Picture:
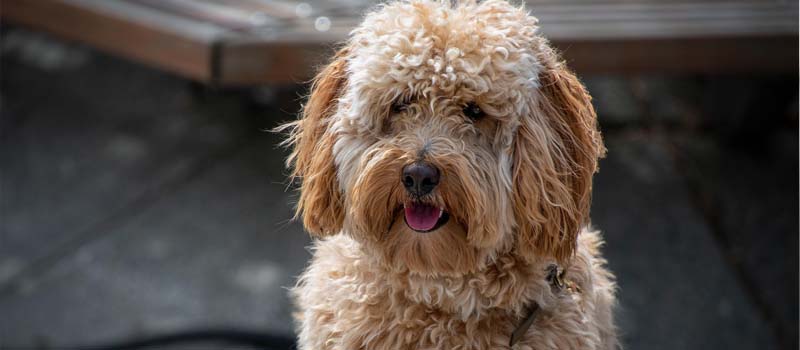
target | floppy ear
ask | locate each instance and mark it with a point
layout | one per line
(320, 203)
(555, 155)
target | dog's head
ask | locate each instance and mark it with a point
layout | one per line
(443, 135)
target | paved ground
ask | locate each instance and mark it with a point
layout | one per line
(132, 203)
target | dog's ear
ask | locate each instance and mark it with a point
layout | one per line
(320, 202)
(555, 155)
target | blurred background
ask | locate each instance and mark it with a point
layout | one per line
(141, 195)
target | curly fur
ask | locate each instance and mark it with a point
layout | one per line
(516, 183)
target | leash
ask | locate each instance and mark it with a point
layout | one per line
(557, 284)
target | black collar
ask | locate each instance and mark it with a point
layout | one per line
(556, 280)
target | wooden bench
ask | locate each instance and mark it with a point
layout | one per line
(246, 42)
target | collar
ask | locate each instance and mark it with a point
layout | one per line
(557, 285)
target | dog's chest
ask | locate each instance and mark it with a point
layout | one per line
(390, 320)
(416, 326)
(346, 303)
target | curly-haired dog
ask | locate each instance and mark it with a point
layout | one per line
(445, 160)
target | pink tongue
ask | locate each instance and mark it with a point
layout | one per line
(421, 217)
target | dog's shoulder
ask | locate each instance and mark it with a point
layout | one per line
(339, 274)
(341, 299)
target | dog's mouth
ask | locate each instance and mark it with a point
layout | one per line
(422, 217)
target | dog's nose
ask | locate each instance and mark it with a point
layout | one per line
(420, 178)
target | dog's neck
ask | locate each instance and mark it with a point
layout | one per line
(508, 284)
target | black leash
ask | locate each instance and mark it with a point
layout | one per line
(557, 284)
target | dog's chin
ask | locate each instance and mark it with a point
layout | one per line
(428, 241)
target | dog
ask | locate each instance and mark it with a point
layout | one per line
(444, 160)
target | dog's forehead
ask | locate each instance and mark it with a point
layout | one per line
(435, 45)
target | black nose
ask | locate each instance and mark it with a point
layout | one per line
(420, 178)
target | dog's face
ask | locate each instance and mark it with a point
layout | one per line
(442, 135)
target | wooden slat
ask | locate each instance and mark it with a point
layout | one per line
(749, 55)
(221, 14)
(247, 63)
(623, 21)
(171, 43)
(276, 9)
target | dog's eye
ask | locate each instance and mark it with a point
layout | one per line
(473, 112)
(399, 106)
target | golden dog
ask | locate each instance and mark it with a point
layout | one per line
(445, 160)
